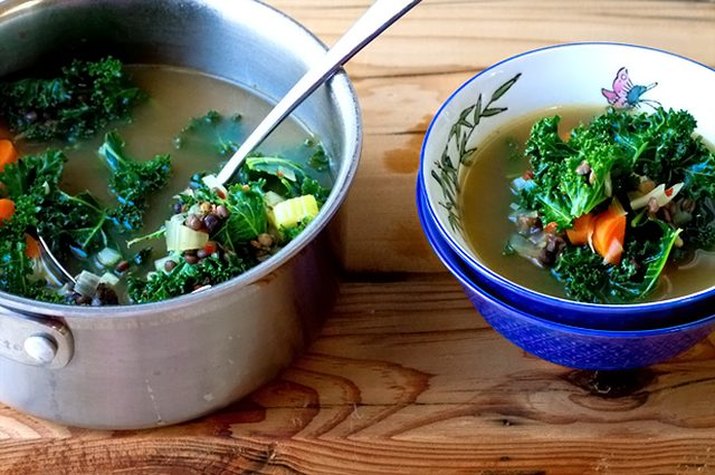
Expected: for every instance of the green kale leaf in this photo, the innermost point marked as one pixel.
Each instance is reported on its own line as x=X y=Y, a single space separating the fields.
x=16 y=274
x=132 y=181
x=34 y=174
x=559 y=189
x=310 y=186
x=699 y=233
x=581 y=271
x=248 y=216
x=77 y=104
x=185 y=278
x=586 y=278
x=79 y=222
x=319 y=161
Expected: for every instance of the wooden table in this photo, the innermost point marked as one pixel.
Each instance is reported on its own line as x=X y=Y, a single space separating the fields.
x=405 y=377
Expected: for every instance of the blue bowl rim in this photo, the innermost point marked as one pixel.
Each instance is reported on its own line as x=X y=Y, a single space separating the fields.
x=659 y=305
x=457 y=268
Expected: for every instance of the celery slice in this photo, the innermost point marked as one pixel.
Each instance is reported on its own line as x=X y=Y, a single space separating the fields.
x=182 y=238
x=289 y=213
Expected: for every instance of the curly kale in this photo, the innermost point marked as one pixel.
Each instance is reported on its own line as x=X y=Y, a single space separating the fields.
x=81 y=101
x=558 y=190
x=132 y=181
x=587 y=278
x=34 y=174
x=615 y=146
x=185 y=278
x=77 y=222
x=581 y=272
x=17 y=274
x=319 y=161
x=604 y=161
x=29 y=183
x=699 y=232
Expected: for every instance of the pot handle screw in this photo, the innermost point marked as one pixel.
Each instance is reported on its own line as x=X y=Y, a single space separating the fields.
x=41 y=348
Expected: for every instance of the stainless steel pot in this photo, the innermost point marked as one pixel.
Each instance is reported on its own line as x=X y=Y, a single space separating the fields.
x=155 y=364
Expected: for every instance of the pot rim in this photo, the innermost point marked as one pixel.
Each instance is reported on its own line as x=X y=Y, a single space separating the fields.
x=339 y=85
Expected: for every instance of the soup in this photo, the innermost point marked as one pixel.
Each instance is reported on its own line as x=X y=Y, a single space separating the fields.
x=488 y=202
x=197 y=120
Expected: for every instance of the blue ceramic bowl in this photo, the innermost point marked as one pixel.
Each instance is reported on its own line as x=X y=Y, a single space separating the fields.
x=583 y=348
x=563 y=75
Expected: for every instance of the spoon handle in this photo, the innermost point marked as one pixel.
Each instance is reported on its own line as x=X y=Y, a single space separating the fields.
x=374 y=21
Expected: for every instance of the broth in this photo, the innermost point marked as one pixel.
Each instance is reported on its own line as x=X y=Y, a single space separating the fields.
x=485 y=200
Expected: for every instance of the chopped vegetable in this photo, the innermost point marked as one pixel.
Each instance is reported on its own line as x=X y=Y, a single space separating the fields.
x=660 y=195
x=86 y=283
x=109 y=279
x=7 y=209
x=109 y=257
x=582 y=230
x=609 y=231
x=182 y=238
x=8 y=154
x=32 y=247
x=272 y=198
x=289 y=213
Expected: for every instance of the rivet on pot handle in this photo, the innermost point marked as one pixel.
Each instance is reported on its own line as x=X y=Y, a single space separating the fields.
x=34 y=341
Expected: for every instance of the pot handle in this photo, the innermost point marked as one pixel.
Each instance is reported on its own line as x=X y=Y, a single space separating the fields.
x=43 y=342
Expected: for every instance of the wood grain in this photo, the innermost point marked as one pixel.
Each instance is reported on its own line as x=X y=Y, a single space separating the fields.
x=405 y=75
x=407 y=378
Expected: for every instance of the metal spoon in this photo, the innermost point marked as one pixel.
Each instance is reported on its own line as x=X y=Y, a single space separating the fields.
x=54 y=269
x=374 y=21
x=53 y=266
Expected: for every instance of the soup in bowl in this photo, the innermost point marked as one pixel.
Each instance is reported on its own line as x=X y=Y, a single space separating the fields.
x=578 y=187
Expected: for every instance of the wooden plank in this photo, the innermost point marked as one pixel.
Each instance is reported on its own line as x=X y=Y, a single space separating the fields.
x=407 y=378
x=405 y=75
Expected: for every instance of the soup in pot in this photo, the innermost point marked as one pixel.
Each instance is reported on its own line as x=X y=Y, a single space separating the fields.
x=113 y=166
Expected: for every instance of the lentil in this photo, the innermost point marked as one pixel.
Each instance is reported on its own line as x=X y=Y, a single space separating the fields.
x=194 y=222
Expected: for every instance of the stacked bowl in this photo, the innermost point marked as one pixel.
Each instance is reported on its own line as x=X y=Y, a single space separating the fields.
x=563 y=331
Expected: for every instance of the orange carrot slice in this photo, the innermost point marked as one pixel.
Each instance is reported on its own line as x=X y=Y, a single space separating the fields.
x=32 y=247
x=609 y=233
x=582 y=230
x=7 y=209
x=8 y=154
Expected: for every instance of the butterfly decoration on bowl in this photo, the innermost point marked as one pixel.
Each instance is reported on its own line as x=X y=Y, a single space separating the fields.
x=625 y=94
